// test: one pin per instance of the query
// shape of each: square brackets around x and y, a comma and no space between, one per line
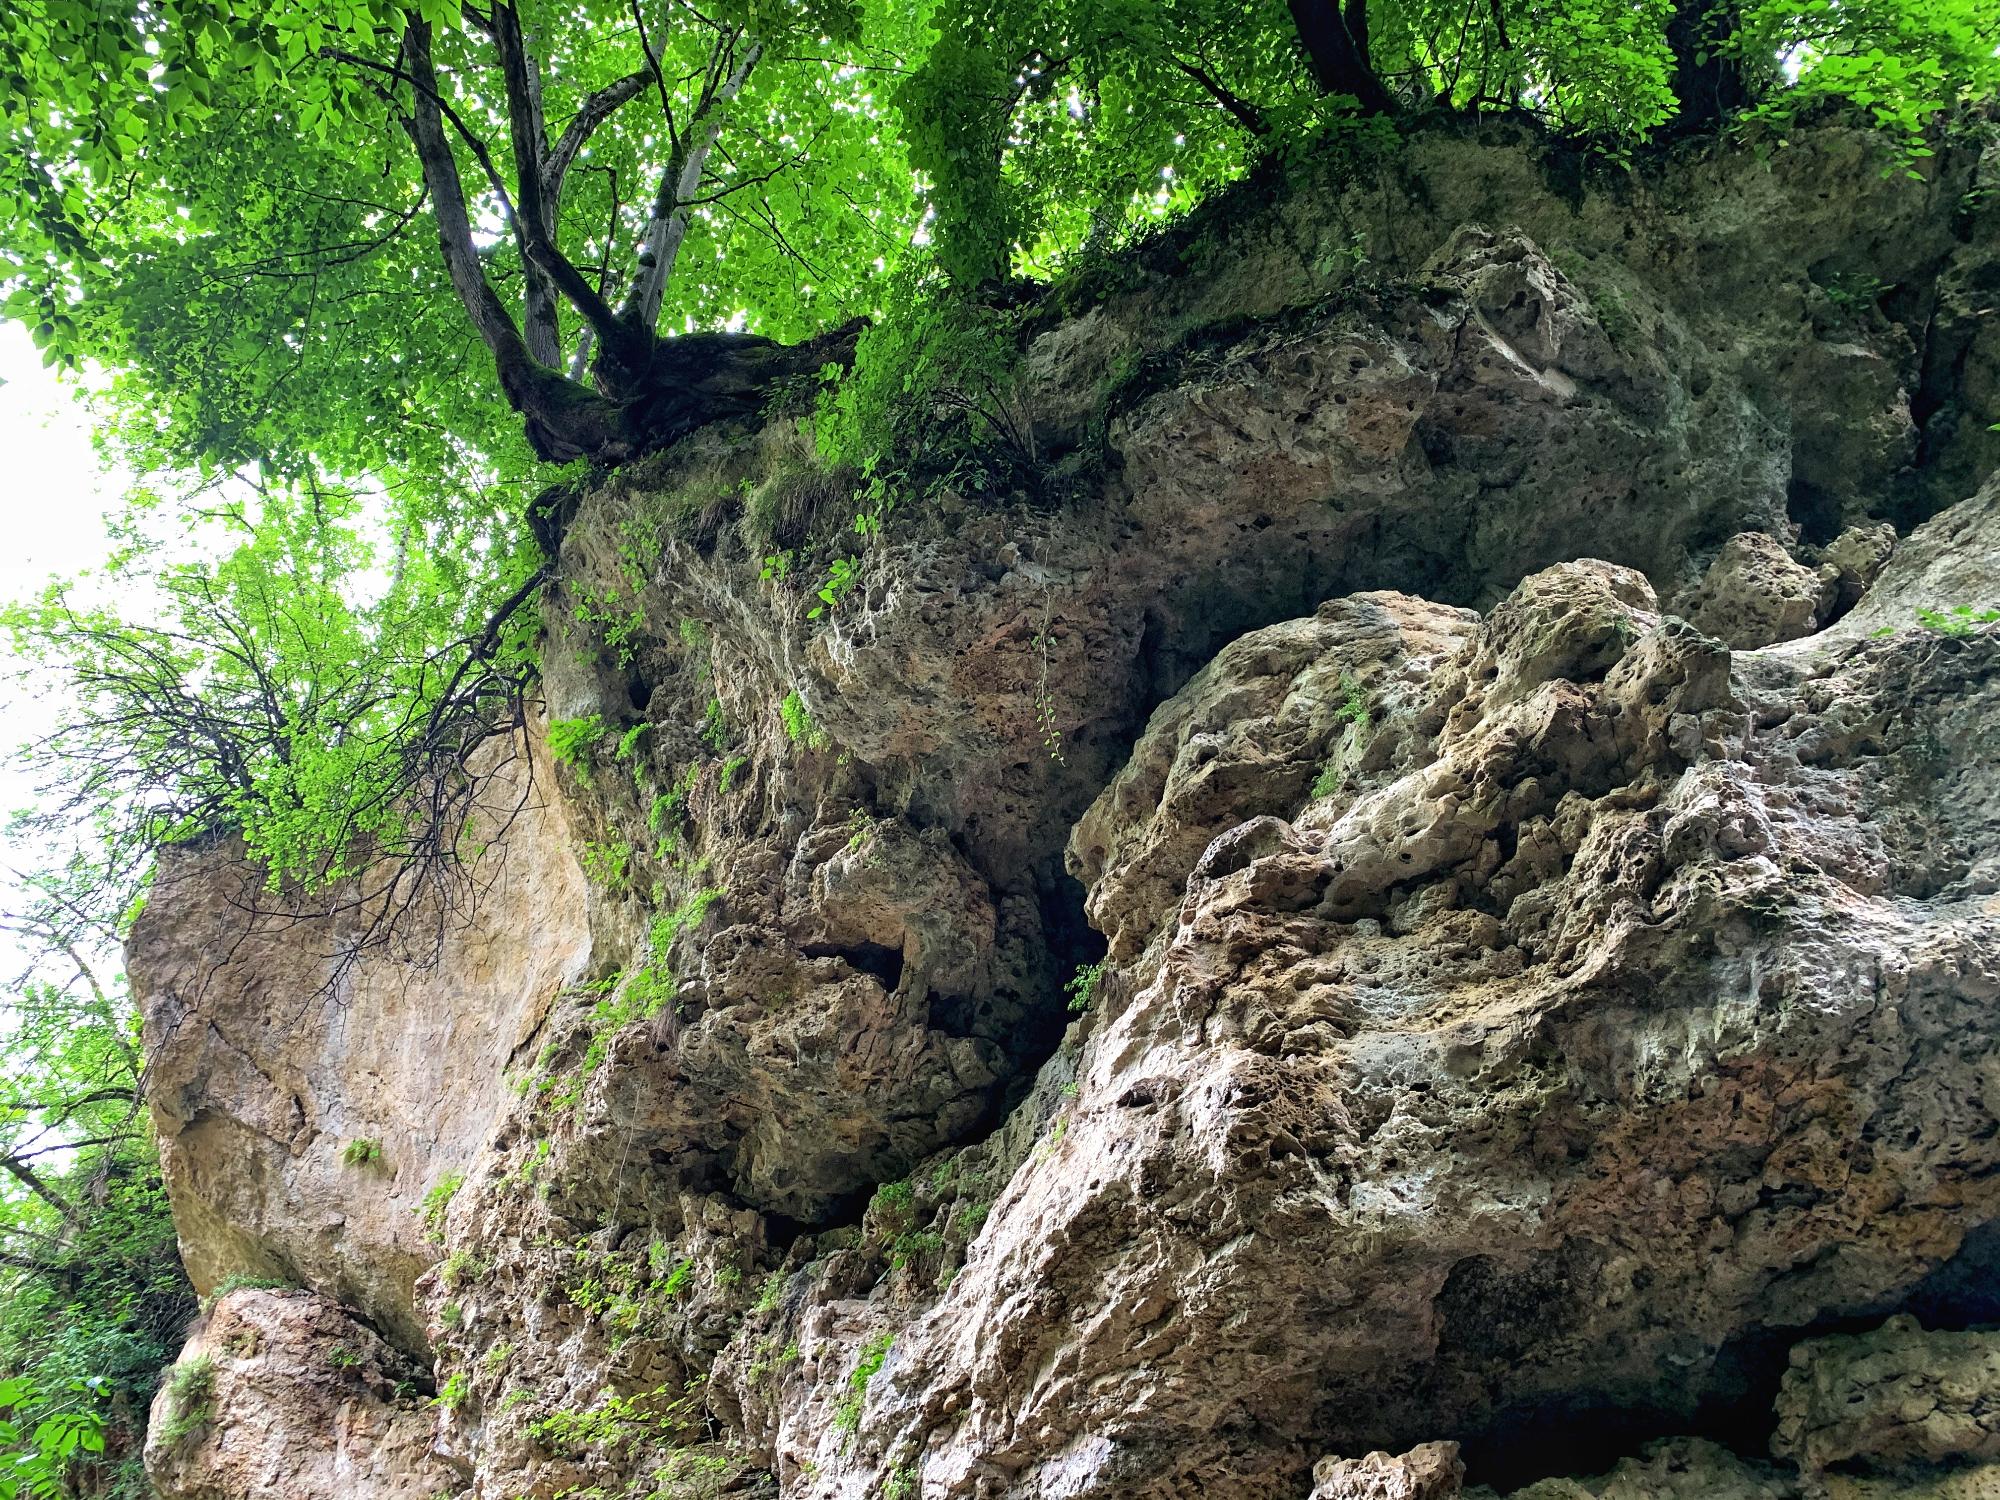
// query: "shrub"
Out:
[437,1203]
[572,740]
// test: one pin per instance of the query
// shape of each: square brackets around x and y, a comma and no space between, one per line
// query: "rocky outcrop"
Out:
[281,1393]
[1430,886]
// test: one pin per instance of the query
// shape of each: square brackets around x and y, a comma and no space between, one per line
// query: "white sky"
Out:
[54,493]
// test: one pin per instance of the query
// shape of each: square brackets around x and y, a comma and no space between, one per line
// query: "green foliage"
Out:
[1353,713]
[93,1301]
[455,1392]
[800,727]
[1899,61]
[1960,620]
[361,1153]
[847,1415]
[45,1443]
[460,1269]
[571,741]
[1082,987]
[727,777]
[714,727]
[437,1204]
[936,384]
[287,668]
[615,1421]
[893,1198]
[608,863]
[190,1398]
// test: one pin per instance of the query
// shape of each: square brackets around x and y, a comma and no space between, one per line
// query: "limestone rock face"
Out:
[1563,1048]
[1898,1398]
[1755,594]
[279,1395]
[1429,891]
[306,1106]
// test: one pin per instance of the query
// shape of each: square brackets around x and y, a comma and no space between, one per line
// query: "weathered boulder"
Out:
[281,1395]
[1755,594]
[1559,1051]
[1897,1398]
[1429,1471]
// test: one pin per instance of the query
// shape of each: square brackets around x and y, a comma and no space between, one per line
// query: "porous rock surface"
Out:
[1280,951]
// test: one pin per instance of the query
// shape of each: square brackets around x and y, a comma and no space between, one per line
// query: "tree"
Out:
[340,697]
[1041,121]
[93,1301]
[414,250]
[234,199]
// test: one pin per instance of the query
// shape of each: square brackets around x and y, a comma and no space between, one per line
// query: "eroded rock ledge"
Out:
[1533,877]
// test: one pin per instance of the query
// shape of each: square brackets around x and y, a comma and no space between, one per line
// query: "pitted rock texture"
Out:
[1897,1398]
[1755,594]
[288,1397]
[1639,1002]
[1429,1471]
[1500,1008]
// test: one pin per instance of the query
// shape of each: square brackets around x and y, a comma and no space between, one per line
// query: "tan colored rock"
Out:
[1896,1398]
[1429,1471]
[1755,594]
[1673,1024]
[1549,1060]
[271,1062]
[1950,560]
[1672,1469]
[282,1396]
[1852,561]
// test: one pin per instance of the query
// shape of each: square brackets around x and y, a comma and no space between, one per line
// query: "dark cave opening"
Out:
[1588,1432]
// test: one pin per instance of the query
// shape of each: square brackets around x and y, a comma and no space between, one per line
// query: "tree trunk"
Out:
[1337,50]
[1708,77]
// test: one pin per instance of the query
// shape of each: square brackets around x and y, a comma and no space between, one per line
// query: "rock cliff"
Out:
[1423,918]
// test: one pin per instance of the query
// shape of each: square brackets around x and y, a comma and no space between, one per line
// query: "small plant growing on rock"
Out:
[437,1203]
[730,768]
[342,1358]
[572,740]
[361,1153]
[455,1391]
[800,728]
[190,1398]
[714,727]
[1353,712]
[847,1416]
[461,1268]
[1960,620]
[769,1293]
[1082,986]
[608,863]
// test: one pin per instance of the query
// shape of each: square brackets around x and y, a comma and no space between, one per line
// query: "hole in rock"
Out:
[1730,1402]
[1814,511]
[878,959]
